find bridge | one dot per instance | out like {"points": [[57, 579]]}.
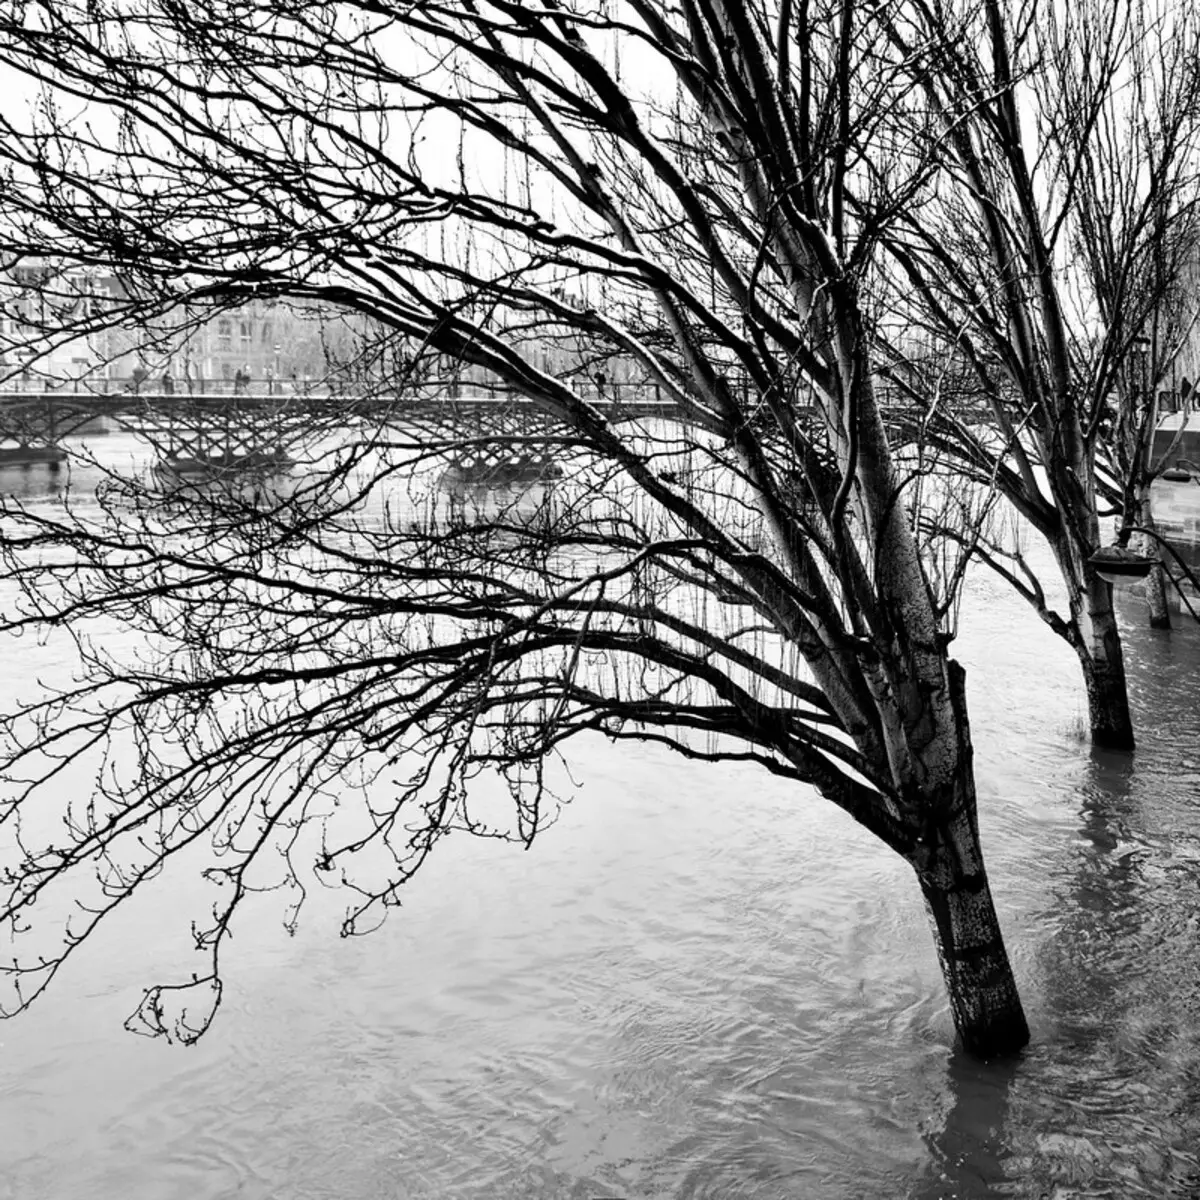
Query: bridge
{"points": [[490, 432], [486, 432]]}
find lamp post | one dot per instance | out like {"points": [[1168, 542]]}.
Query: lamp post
{"points": [[1120, 566], [1142, 346], [275, 380]]}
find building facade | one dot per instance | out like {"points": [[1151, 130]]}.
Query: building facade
{"points": [[62, 327]]}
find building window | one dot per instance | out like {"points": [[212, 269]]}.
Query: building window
{"points": [[245, 333], [224, 335]]}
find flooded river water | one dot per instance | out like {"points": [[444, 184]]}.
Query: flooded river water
{"points": [[700, 983]]}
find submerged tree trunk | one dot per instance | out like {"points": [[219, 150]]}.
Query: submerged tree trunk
{"points": [[1103, 664], [1156, 582], [948, 860], [1156, 597], [979, 980]]}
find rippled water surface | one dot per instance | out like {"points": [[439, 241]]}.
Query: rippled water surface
{"points": [[700, 983]]}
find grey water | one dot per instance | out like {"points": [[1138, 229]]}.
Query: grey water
{"points": [[701, 982]]}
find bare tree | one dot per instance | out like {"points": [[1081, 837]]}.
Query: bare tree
{"points": [[1038, 261], [694, 192], [1163, 294]]}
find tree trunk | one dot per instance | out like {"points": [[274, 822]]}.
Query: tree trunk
{"points": [[1103, 664], [979, 980], [1097, 641], [1156, 597], [1156, 582], [949, 864]]}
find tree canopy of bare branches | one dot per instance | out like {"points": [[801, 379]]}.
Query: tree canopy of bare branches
{"points": [[700, 195]]}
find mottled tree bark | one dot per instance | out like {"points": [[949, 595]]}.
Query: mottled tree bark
{"points": [[1156, 598], [978, 975], [1155, 588], [948, 860], [1103, 665]]}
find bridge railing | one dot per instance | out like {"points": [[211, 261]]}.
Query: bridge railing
{"points": [[150, 387], [78, 391]]}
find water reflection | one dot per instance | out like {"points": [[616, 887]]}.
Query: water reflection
{"points": [[33, 481], [256, 486], [969, 1148], [518, 500]]}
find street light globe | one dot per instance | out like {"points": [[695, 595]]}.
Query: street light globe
{"points": [[1120, 566]]}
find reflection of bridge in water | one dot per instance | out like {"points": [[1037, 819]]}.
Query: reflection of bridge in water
{"points": [[490, 433]]}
